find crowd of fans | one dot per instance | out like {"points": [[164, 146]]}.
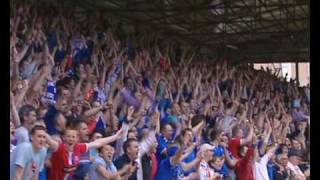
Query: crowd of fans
{"points": [[84, 106]]}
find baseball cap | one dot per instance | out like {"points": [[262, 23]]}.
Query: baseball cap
{"points": [[218, 152], [205, 147]]}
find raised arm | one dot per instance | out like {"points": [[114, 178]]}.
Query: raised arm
{"points": [[198, 127], [15, 114], [54, 145], [230, 161], [188, 151], [77, 89], [92, 112], [18, 99], [103, 74], [262, 149], [39, 82], [193, 164], [249, 137], [100, 142]]}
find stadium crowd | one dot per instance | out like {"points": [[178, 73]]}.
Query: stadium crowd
{"points": [[86, 106]]}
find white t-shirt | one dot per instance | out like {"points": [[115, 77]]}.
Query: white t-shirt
{"points": [[205, 172], [22, 135], [260, 170], [144, 147], [25, 157]]}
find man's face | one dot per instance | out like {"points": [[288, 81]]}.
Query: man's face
{"points": [[66, 93], [42, 113], [176, 109], [107, 152], [225, 139], [168, 131], [132, 135], [208, 155], [31, 117], [243, 151], [39, 139], [72, 83], [81, 68], [88, 69], [296, 144], [83, 132], [71, 137], [285, 150], [130, 84], [133, 132], [295, 160], [133, 150], [188, 137], [185, 107], [62, 105], [218, 163], [284, 161], [96, 136]]}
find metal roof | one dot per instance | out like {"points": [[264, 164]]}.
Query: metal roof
{"points": [[247, 30]]}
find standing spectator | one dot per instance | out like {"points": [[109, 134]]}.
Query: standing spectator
{"points": [[205, 171], [238, 141], [28, 158], [149, 163], [66, 156], [173, 166], [103, 167], [84, 160], [133, 153], [163, 140], [283, 171], [243, 166], [28, 117], [294, 160]]}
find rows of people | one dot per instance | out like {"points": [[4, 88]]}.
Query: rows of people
{"points": [[85, 106]]}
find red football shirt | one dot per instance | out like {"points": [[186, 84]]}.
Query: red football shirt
{"points": [[234, 147], [63, 159], [244, 166]]}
